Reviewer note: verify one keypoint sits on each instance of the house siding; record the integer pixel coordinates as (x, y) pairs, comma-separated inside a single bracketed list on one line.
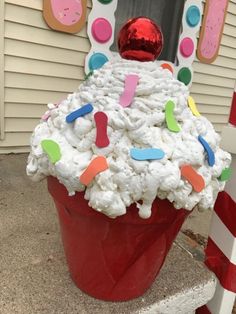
[(39, 66), (213, 84)]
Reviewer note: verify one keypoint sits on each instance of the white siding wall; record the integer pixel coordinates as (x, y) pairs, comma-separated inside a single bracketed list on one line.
[(213, 84), (41, 66)]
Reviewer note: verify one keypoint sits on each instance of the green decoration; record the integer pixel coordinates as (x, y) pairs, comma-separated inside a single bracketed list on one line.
[(170, 118), (88, 75), (52, 149), (185, 76), (105, 1), (225, 175)]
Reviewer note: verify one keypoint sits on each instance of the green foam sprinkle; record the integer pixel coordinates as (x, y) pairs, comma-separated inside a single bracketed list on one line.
[(52, 149), (170, 118), (225, 175)]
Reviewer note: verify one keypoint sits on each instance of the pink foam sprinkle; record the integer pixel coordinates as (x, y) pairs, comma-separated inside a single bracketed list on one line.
[(46, 116), (131, 82)]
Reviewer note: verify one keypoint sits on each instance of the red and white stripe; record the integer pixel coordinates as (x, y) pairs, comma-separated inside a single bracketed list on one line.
[(232, 116), (221, 256)]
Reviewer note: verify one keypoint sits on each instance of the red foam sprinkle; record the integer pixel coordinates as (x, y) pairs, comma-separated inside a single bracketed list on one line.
[(101, 121)]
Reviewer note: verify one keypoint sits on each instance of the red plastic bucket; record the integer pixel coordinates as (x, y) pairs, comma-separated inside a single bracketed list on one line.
[(114, 259)]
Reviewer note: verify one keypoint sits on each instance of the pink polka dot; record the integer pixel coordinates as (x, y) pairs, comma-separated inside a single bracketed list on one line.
[(101, 30), (186, 47)]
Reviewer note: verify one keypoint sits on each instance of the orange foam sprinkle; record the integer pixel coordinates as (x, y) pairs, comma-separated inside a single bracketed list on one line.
[(195, 179), (96, 166), (167, 66)]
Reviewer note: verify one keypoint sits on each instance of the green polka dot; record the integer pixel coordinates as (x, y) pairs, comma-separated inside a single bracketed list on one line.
[(225, 175), (105, 1), (185, 76)]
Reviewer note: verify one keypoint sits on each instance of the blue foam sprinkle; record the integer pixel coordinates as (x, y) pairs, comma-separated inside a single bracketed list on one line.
[(209, 151), (79, 113), (146, 153)]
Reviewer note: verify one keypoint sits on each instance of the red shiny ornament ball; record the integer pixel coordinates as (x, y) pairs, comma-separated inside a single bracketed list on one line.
[(140, 39)]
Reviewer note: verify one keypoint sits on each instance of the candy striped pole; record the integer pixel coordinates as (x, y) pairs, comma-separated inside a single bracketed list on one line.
[(221, 256), (232, 116), (221, 246)]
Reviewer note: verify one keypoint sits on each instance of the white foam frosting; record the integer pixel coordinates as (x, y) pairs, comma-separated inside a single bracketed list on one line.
[(142, 125)]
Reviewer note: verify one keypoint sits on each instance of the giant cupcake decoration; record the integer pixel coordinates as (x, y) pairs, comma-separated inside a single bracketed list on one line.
[(129, 142)]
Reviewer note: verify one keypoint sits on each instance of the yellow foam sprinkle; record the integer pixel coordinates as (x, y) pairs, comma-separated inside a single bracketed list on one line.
[(193, 107)]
